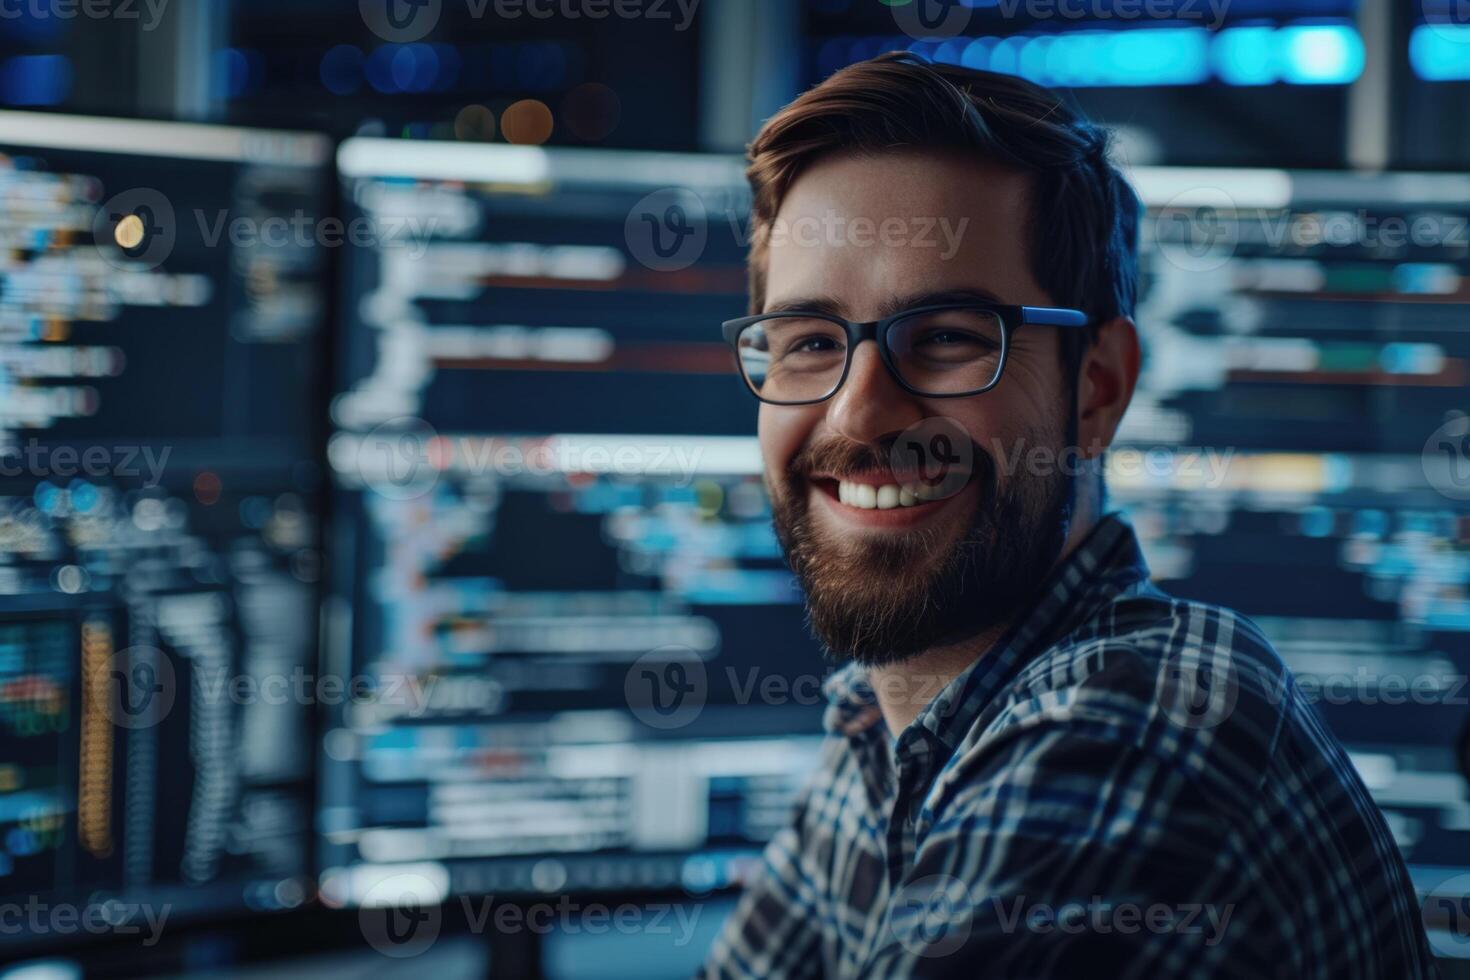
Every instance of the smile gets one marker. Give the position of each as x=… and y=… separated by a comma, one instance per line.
x=866, y=496
x=883, y=500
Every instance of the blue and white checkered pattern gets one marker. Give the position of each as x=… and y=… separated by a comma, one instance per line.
x=1126, y=785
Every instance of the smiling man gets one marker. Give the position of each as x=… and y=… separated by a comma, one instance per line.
x=1038, y=764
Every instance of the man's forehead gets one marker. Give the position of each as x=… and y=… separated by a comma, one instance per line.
x=906, y=184
x=864, y=236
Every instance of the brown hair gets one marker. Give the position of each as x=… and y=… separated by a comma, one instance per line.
x=1084, y=216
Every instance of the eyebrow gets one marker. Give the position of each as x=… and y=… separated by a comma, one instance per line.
x=831, y=306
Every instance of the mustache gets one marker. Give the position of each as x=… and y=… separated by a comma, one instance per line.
x=842, y=457
x=838, y=457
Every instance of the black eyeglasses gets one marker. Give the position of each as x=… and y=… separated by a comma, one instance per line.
x=948, y=351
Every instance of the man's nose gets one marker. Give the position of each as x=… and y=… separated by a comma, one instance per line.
x=871, y=404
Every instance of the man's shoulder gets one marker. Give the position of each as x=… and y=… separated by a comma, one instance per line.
x=1195, y=685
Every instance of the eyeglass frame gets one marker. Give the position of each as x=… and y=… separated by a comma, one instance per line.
x=1011, y=317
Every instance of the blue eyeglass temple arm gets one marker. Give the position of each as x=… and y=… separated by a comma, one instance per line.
x=1047, y=316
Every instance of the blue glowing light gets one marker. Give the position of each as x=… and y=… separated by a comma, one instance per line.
x=1246, y=56
x=1321, y=54
x=36, y=79
x=1441, y=52
x=342, y=69
x=234, y=71
x=1303, y=53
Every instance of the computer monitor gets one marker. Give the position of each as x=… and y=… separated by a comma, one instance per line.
x=555, y=545
x=162, y=317
x=1299, y=449
x=554, y=552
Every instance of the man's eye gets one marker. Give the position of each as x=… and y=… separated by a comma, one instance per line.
x=954, y=338
x=814, y=345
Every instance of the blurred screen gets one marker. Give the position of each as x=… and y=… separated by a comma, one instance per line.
x=582, y=660
x=553, y=538
x=161, y=330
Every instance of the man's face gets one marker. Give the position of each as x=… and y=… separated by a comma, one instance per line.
x=884, y=583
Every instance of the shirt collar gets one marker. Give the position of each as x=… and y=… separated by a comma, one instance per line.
x=1105, y=564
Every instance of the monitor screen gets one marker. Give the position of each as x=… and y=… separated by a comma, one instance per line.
x=162, y=317
x=556, y=574
x=554, y=545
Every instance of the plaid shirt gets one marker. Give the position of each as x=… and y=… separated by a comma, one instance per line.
x=1126, y=785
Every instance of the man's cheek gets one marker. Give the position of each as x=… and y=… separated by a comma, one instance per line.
x=782, y=431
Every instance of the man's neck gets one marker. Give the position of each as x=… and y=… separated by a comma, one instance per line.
x=904, y=689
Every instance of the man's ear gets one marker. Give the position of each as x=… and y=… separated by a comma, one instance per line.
x=1105, y=384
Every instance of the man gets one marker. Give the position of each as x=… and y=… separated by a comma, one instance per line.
x=1038, y=764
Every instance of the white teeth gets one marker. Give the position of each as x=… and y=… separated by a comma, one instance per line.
x=890, y=495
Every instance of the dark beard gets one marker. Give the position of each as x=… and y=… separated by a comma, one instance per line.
x=883, y=601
